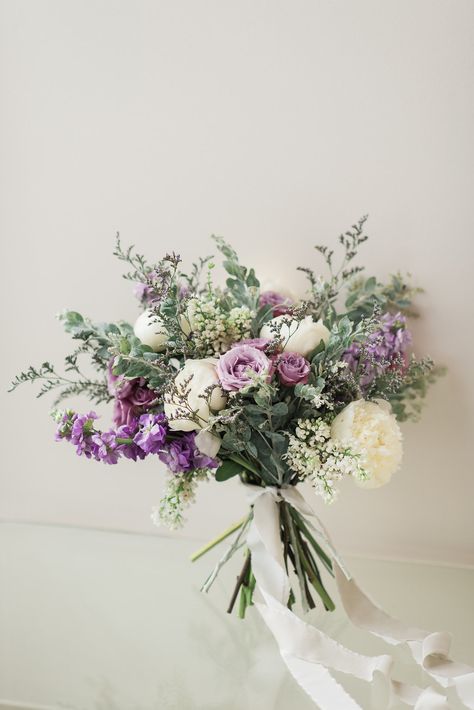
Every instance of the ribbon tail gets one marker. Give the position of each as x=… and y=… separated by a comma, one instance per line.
x=429, y=650
x=311, y=656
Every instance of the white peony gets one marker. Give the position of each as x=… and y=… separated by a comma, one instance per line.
x=203, y=374
x=371, y=430
x=151, y=331
x=299, y=336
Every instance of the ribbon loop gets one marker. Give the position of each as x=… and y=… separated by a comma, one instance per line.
x=311, y=655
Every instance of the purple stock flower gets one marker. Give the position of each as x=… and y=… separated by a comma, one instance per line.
x=292, y=368
x=152, y=433
x=132, y=397
x=129, y=450
x=182, y=455
x=280, y=304
x=384, y=349
x=236, y=367
x=82, y=434
x=178, y=454
x=65, y=422
x=105, y=447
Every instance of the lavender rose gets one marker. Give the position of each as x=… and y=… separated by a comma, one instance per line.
x=237, y=366
x=293, y=369
x=132, y=397
x=280, y=304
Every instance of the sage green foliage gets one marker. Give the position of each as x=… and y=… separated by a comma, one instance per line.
x=242, y=284
x=255, y=422
x=368, y=295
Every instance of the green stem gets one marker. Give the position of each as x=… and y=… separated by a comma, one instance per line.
x=240, y=581
x=313, y=577
x=124, y=441
x=300, y=522
x=296, y=551
x=245, y=593
x=202, y=550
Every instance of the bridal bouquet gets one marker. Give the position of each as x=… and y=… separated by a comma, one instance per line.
x=252, y=382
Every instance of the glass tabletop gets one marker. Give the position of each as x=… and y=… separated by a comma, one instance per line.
x=96, y=620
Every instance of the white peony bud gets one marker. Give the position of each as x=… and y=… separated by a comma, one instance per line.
x=187, y=320
x=207, y=443
x=371, y=430
x=151, y=331
x=300, y=336
x=203, y=374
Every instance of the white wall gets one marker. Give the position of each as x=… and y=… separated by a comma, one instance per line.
x=276, y=124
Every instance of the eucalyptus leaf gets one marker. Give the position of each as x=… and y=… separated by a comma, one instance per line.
x=228, y=469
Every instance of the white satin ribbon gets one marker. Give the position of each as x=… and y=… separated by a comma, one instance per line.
x=311, y=655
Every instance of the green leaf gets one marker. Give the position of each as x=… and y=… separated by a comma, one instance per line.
x=264, y=314
x=231, y=441
x=228, y=469
x=136, y=370
x=344, y=327
x=151, y=356
x=252, y=279
x=280, y=409
x=351, y=300
x=370, y=284
x=124, y=346
x=234, y=269
x=317, y=350
x=252, y=449
x=73, y=319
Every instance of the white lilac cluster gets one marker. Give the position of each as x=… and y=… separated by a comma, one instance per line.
x=321, y=400
x=314, y=454
x=214, y=329
x=179, y=494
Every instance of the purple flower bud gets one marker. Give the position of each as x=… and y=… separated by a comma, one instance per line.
x=293, y=369
x=280, y=304
x=132, y=397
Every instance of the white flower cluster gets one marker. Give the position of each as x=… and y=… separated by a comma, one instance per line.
x=321, y=400
x=314, y=454
x=214, y=329
x=180, y=493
